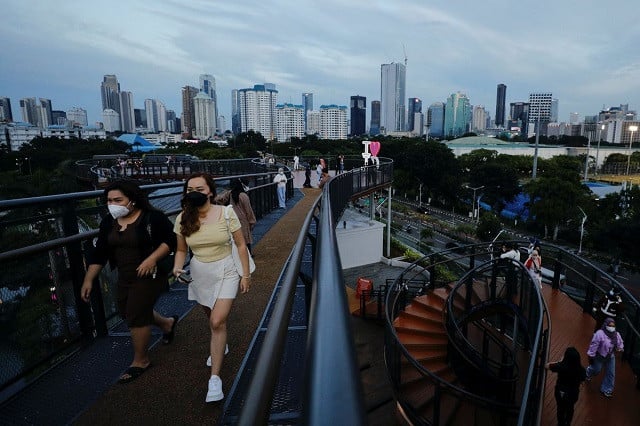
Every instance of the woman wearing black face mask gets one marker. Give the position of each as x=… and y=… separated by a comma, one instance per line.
x=133, y=238
x=203, y=228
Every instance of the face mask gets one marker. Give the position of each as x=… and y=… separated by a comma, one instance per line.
x=118, y=211
x=611, y=329
x=196, y=199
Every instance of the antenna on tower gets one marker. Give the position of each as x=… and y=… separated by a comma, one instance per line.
x=405, y=54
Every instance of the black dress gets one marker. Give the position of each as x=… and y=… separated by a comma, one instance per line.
x=567, y=390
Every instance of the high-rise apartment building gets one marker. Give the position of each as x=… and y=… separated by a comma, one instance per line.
x=479, y=119
x=257, y=109
x=435, y=120
x=289, y=122
x=307, y=103
x=539, y=110
x=392, y=96
x=313, y=122
x=5, y=110
x=110, y=120
x=140, y=117
x=501, y=98
x=414, y=107
x=110, y=89
x=44, y=109
x=457, y=116
x=374, y=126
x=204, y=113
x=188, y=119
x=235, y=112
x=77, y=116
x=156, y=115
x=358, y=110
x=208, y=86
x=333, y=122
x=127, y=117
x=29, y=110
x=171, y=121
x=554, y=111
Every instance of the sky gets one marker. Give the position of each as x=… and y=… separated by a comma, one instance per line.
x=586, y=53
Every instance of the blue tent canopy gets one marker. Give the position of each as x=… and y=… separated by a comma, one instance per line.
x=137, y=142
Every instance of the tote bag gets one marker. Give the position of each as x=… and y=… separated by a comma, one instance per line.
x=234, y=248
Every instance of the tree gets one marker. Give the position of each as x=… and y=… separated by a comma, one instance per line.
x=488, y=226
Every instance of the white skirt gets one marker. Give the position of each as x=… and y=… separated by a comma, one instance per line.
x=213, y=280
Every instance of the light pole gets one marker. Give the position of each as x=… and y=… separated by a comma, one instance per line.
x=600, y=129
x=584, y=219
x=473, y=202
x=632, y=129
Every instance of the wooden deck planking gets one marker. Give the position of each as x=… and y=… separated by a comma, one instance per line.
x=571, y=327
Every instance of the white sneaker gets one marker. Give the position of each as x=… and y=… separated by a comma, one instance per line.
x=215, y=389
x=226, y=351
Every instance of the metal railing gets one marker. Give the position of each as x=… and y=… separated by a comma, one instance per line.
x=44, y=241
x=333, y=391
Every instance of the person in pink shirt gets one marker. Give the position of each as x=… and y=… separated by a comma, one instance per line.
x=602, y=354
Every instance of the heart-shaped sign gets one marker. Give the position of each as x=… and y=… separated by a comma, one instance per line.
x=374, y=147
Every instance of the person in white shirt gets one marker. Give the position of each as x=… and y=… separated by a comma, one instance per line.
x=296, y=162
x=281, y=186
x=509, y=252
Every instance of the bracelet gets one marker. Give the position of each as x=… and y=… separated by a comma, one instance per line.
x=248, y=276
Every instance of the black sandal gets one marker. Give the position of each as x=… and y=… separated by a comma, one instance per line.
x=167, y=338
x=132, y=373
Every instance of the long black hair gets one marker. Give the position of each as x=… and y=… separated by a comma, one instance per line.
x=190, y=222
x=236, y=189
x=132, y=191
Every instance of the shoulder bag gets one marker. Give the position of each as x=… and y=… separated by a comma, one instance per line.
x=234, y=248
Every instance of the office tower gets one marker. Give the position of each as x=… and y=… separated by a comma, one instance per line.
x=59, y=117
x=110, y=89
x=156, y=115
x=554, y=111
x=208, y=86
x=111, y=120
x=457, y=116
x=77, y=116
x=140, y=117
x=171, y=121
x=204, y=114
x=501, y=98
x=289, y=122
x=333, y=122
x=28, y=108
x=479, y=119
x=358, y=115
x=435, y=120
x=414, y=106
x=313, y=123
x=222, y=124
x=539, y=109
x=127, y=117
x=392, y=89
x=257, y=109
x=44, y=113
x=235, y=112
x=374, y=127
x=188, y=118
x=5, y=110
x=519, y=117
x=574, y=118
x=307, y=102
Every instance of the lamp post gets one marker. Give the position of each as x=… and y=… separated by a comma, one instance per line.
x=600, y=129
x=473, y=202
x=584, y=219
x=632, y=129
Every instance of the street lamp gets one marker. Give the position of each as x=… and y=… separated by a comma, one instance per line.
x=632, y=129
x=473, y=202
x=600, y=129
x=584, y=219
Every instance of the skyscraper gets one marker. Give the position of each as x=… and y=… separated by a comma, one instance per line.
x=235, y=112
x=392, y=96
x=5, y=110
x=539, y=109
x=257, y=109
x=501, y=99
x=44, y=113
x=29, y=110
x=127, y=117
x=457, y=116
x=414, y=107
x=479, y=118
x=110, y=88
x=156, y=115
x=188, y=119
x=358, y=115
x=333, y=122
x=519, y=117
x=374, y=127
x=77, y=116
x=208, y=86
x=204, y=113
x=435, y=120
x=307, y=103
x=553, y=118
x=289, y=122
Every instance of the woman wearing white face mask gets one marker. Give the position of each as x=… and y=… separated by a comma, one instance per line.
x=133, y=238
x=602, y=354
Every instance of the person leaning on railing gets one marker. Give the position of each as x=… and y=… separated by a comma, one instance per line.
x=134, y=238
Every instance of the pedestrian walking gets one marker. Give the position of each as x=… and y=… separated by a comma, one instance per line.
x=571, y=374
x=602, y=354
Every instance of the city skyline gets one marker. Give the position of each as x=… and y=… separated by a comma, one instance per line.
x=332, y=50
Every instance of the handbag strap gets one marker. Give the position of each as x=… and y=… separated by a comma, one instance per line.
x=226, y=218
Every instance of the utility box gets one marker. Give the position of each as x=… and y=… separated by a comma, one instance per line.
x=364, y=287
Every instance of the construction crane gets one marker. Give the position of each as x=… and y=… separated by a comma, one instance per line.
x=405, y=54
